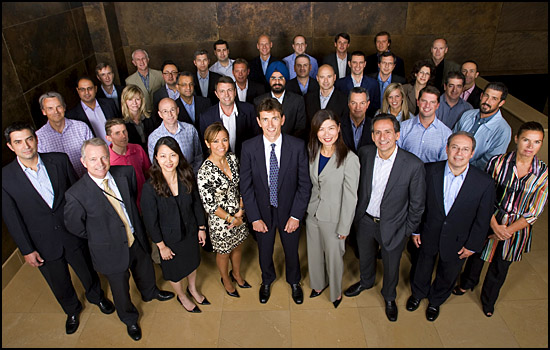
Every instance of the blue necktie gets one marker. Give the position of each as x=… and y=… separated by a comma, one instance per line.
x=273, y=177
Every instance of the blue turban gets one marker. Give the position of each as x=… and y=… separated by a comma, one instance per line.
x=279, y=67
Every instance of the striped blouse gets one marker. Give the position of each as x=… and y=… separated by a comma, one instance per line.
x=515, y=198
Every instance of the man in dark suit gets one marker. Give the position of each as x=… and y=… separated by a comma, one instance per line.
x=358, y=78
x=168, y=89
x=101, y=207
x=339, y=60
x=275, y=188
x=385, y=76
x=237, y=117
x=258, y=65
x=459, y=206
x=91, y=110
x=247, y=90
x=356, y=125
x=190, y=105
x=303, y=83
x=33, y=199
x=108, y=89
x=294, y=108
x=389, y=207
x=327, y=98
x=206, y=80
x=382, y=42
x=471, y=93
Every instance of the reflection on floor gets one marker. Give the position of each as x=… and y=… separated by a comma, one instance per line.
x=31, y=316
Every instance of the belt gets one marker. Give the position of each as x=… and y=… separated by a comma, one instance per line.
x=375, y=220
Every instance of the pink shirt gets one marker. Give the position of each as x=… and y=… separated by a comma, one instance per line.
x=136, y=157
x=466, y=93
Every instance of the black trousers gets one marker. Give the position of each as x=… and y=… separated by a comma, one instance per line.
x=290, y=241
x=143, y=273
x=368, y=241
x=445, y=277
x=56, y=272
x=494, y=279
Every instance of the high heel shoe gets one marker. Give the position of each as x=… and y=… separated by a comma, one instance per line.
x=234, y=294
x=337, y=302
x=195, y=310
x=488, y=312
x=457, y=291
x=204, y=301
x=244, y=285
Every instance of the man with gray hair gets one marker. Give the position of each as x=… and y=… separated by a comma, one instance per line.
x=147, y=79
x=61, y=134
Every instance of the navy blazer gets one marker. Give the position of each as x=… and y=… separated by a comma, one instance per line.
x=293, y=187
x=466, y=224
x=107, y=105
x=332, y=60
x=201, y=105
x=213, y=78
x=338, y=103
x=254, y=90
x=403, y=199
x=293, y=86
x=347, y=133
x=31, y=222
x=247, y=126
x=294, y=110
x=118, y=88
x=90, y=215
x=370, y=84
x=475, y=97
x=372, y=65
x=256, y=71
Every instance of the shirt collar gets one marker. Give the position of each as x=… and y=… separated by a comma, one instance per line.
x=25, y=168
x=277, y=142
x=280, y=99
x=391, y=158
x=85, y=106
x=462, y=175
x=99, y=182
x=235, y=110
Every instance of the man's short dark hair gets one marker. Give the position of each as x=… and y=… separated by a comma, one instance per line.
x=297, y=35
x=167, y=62
x=464, y=133
x=530, y=126
x=303, y=55
x=343, y=35
x=84, y=77
x=359, y=53
x=383, y=33
x=455, y=75
x=199, y=52
x=358, y=90
x=221, y=42
x=386, y=116
x=240, y=61
x=112, y=122
x=430, y=89
x=227, y=80
x=387, y=54
x=100, y=66
x=185, y=74
x=498, y=86
x=18, y=126
x=470, y=61
x=269, y=104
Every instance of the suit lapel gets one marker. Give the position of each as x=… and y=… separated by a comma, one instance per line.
x=259, y=155
x=94, y=189
x=463, y=193
x=284, y=162
x=395, y=173
x=438, y=186
x=53, y=174
x=123, y=188
x=22, y=182
x=314, y=168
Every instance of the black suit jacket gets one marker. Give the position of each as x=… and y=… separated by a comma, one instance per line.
x=475, y=97
x=371, y=85
x=90, y=215
x=333, y=61
x=107, y=106
x=372, y=65
x=118, y=88
x=201, y=105
x=394, y=78
x=466, y=224
x=162, y=215
x=347, y=133
x=31, y=222
x=403, y=199
x=293, y=86
x=256, y=71
x=294, y=110
x=247, y=126
x=338, y=103
x=294, y=185
x=255, y=89
x=212, y=80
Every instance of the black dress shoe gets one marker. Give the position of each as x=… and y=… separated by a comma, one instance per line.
x=244, y=285
x=106, y=306
x=355, y=289
x=432, y=312
x=234, y=294
x=315, y=294
x=164, y=295
x=412, y=303
x=265, y=292
x=204, y=301
x=457, y=291
x=72, y=323
x=337, y=302
x=134, y=332
x=297, y=293
x=195, y=310
x=391, y=310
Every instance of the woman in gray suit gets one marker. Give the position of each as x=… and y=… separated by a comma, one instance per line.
x=334, y=174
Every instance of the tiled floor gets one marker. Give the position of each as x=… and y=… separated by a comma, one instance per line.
x=32, y=318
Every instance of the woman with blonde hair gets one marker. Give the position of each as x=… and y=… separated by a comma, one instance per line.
x=394, y=103
x=137, y=120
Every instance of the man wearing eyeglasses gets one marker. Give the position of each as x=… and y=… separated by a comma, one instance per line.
x=91, y=110
x=169, y=74
x=386, y=64
x=184, y=133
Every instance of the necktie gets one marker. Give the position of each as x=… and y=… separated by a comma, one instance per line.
x=273, y=177
x=118, y=208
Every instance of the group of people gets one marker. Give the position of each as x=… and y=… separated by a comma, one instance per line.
x=174, y=161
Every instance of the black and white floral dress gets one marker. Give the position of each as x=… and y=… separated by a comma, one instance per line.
x=217, y=190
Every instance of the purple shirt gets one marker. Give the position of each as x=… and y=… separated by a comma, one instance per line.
x=69, y=141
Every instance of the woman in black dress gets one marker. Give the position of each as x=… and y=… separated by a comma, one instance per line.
x=174, y=218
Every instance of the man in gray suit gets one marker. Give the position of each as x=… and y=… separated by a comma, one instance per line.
x=147, y=79
x=389, y=207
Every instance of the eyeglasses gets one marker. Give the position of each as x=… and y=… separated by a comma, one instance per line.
x=170, y=73
x=277, y=78
x=90, y=89
x=168, y=111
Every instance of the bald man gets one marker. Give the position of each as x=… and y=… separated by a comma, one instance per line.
x=258, y=65
x=443, y=66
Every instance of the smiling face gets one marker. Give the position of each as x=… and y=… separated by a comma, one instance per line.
x=271, y=123
x=105, y=76
x=168, y=111
x=341, y=45
x=185, y=86
x=357, y=64
x=264, y=45
x=326, y=77
x=23, y=144
x=395, y=99
x=167, y=159
x=384, y=136
x=141, y=61
x=86, y=91
x=219, y=145
x=118, y=136
x=382, y=43
x=277, y=82
x=453, y=89
x=170, y=74
x=491, y=101
x=427, y=105
x=423, y=75
x=222, y=52
x=459, y=151
x=96, y=160
x=53, y=110
x=226, y=94
x=240, y=72
x=299, y=45
x=328, y=133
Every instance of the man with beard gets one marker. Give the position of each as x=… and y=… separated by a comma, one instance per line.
x=294, y=108
x=490, y=129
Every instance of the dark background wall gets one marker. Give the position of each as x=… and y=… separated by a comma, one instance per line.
x=46, y=46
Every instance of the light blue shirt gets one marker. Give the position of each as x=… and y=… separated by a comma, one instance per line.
x=174, y=95
x=97, y=119
x=429, y=143
x=189, y=108
x=227, y=71
x=357, y=131
x=324, y=100
x=265, y=63
x=40, y=180
x=113, y=96
x=383, y=85
x=451, y=186
x=203, y=83
x=289, y=60
x=492, y=137
x=303, y=88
